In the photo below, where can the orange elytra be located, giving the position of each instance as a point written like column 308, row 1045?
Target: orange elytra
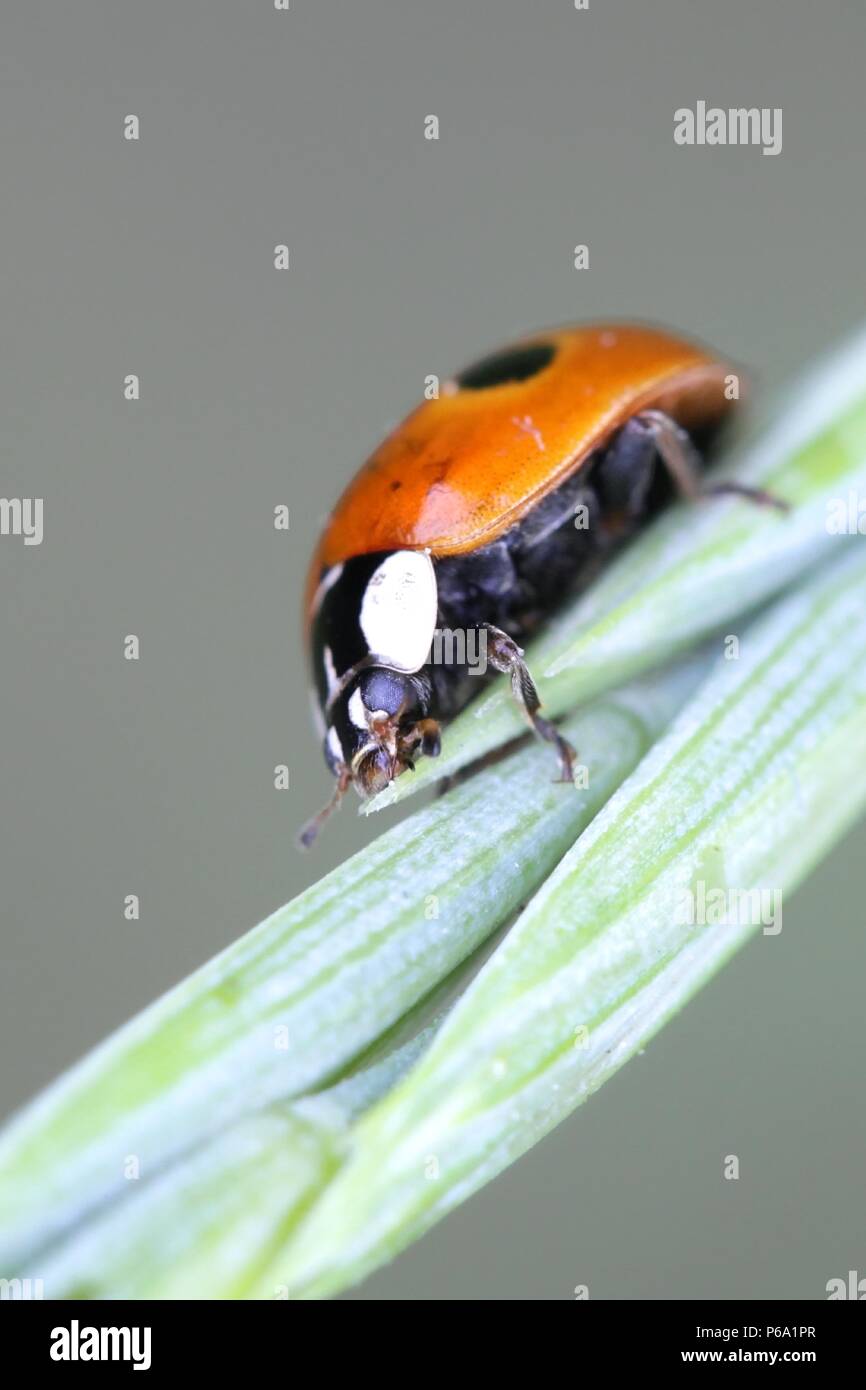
column 461, row 469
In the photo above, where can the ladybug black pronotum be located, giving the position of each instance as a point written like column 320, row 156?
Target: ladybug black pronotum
column 464, row 519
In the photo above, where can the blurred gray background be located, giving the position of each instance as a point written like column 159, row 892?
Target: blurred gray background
column 258, row 387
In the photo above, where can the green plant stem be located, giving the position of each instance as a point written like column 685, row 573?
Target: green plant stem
column 756, row 779
column 297, row 1000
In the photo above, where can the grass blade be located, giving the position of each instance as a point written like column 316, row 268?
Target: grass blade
column 287, row 1124
column 757, row 777
column 295, row 1001
column 206, row 1225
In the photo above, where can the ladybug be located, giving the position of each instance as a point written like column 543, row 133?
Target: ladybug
column 479, row 514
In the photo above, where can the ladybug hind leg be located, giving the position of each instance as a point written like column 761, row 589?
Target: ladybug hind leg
column 504, row 655
column 683, row 462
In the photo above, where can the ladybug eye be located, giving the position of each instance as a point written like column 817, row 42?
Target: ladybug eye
column 384, row 690
column 515, row 364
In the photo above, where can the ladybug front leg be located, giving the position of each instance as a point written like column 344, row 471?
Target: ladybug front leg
column 308, row 833
column 504, row 655
column 683, row 463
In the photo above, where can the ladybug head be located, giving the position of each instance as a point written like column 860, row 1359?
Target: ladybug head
column 380, row 721
column 377, row 726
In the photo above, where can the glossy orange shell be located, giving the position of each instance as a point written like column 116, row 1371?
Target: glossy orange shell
column 462, row 469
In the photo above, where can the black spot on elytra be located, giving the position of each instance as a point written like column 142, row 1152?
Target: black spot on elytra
column 514, row 364
column 396, row 485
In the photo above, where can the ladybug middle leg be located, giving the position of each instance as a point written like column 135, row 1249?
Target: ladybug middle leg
column 504, row 655
column 623, row 478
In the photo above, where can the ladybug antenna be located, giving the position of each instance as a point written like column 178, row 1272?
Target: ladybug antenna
column 309, row 832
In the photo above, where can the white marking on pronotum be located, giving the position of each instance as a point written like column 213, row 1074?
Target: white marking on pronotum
column 334, row 745
column 330, row 671
column 357, row 712
column 318, row 717
column 398, row 611
column 327, row 582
